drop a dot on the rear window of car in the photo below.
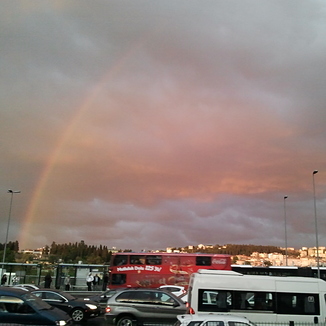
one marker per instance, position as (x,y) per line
(214,323)
(195,323)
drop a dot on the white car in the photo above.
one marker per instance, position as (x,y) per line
(175,289)
(184,297)
(212,320)
(26,286)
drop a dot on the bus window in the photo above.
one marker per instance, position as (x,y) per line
(120,260)
(203,261)
(154,260)
(118,279)
(137,260)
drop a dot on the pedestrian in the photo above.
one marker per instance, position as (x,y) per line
(15,280)
(67,283)
(89,281)
(96,281)
(47,280)
(105,282)
(3,279)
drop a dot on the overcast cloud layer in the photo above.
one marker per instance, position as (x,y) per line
(149,124)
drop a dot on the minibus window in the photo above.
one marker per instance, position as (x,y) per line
(253,301)
(210,300)
(298,304)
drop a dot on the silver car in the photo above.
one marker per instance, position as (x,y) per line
(138,306)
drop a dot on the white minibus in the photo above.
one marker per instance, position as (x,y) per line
(262,299)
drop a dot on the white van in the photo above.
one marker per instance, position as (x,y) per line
(275,299)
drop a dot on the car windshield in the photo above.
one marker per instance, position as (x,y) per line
(36,302)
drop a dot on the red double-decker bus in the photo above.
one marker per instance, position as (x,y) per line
(156,269)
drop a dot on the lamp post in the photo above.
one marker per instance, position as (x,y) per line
(12,192)
(286,237)
(316,227)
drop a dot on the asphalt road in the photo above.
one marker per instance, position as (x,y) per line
(99,321)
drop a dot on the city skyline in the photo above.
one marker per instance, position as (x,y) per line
(141,124)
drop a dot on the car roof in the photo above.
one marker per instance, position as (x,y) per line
(211,317)
(29,286)
(145,289)
(4,290)
(48,290)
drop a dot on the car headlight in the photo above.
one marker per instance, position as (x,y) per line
(91,306)
(61,323)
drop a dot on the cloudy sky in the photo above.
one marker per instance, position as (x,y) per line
(147,124)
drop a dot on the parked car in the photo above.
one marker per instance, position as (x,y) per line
(77,308)
(141,305)
(27,286)
(212,320)
(20,307)
(184,297)
(175,289)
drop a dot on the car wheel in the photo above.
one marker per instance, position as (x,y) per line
(127,321)
(78,315)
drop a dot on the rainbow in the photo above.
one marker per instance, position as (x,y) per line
(36,198)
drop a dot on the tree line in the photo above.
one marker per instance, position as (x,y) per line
(56,253)
(90,254)
(75,252)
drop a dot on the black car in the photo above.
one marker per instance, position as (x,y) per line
(77,308)
(20,307)
(141,306)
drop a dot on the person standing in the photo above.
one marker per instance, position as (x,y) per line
(3,279)
(89,281)
(47,280)
(105,282)
(96,281)
(67,283)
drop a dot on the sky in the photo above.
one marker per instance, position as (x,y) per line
(150,124)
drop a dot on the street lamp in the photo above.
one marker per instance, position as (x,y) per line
(316,227)
(12,192)
(286,238)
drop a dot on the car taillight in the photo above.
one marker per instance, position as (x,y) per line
(191,311)
(108,309)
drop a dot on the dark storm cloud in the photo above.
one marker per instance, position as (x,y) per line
(153,124)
